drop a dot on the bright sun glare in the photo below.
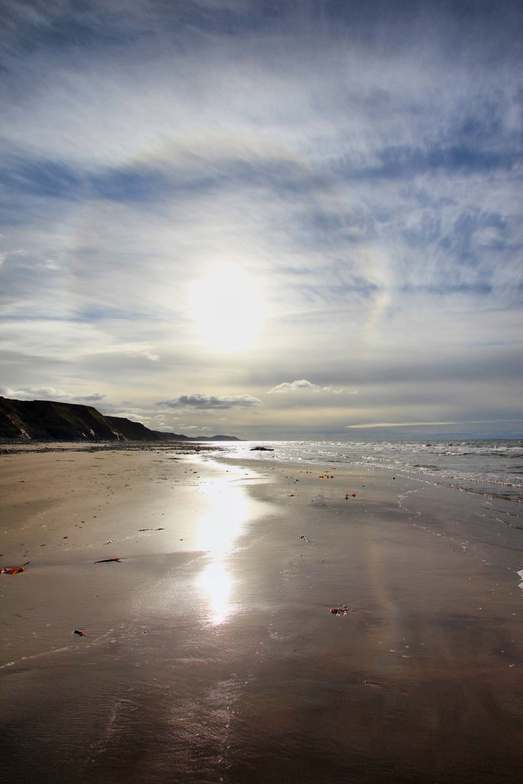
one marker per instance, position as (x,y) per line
(227,307)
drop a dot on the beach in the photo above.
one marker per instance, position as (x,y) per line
(197,618)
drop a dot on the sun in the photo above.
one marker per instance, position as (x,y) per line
(227,307)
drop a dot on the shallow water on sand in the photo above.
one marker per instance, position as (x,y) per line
(211,653)
(490,467)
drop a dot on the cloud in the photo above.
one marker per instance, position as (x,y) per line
(371,425)
(212,402)
(376,425)
(302,385)
(376,202)
(50,393)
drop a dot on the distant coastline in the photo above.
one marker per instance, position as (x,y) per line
(51,420)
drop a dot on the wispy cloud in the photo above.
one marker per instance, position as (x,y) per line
(50,393)
(371,425)
(377,202)
(406,425)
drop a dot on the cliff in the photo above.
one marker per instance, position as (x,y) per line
(135,431)
(48,420)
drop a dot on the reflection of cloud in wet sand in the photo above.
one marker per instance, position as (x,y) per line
(229,509)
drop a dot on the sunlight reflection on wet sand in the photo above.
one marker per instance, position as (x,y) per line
(216,584)
(228,509)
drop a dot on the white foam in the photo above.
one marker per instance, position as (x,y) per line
(90,643)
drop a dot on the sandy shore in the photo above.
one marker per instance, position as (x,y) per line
(210,653)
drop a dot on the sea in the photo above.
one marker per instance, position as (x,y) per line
(491,467)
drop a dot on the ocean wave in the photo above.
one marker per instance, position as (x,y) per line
(487,466)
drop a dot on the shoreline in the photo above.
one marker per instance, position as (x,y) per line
(30,447)
(210,650)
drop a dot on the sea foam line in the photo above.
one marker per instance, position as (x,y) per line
(65,648)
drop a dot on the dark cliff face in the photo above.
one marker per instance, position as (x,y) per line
(131,431)
(135,431)
(54,421)
(48,420)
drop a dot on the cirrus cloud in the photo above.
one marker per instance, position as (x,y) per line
(377,204)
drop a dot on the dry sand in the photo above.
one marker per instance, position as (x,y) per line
(211,653)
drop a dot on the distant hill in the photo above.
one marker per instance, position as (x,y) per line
(213,438)
(48,420)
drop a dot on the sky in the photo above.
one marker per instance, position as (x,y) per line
(271,219)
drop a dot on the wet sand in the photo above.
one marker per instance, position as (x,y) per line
(211,653)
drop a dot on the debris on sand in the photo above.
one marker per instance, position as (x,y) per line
(109,560)
(261,449)
(342,610)
(305,539)
(12,569)
(80,633)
